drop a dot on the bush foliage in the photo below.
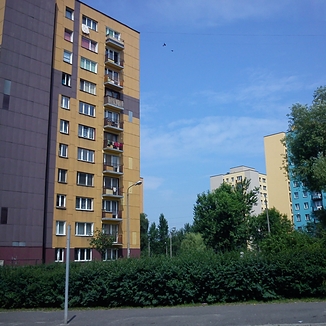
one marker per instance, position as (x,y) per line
(196,277)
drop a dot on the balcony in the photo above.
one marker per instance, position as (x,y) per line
(114,42)
(316,196)
(114,169)
(113,102)
(112,192)
(117,238)
(112,216)
(109,124)
(109,145)
(115,83)
(114,63)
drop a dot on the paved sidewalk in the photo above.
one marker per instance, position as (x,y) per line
(294,314)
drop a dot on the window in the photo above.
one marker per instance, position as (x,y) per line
(85,229)
(6,94)
(88,65)
(264,180)
(66,79)
(86,132)
(83,254)
(264,187)
(111,229)
(111,254)
(84,204)
(87,109)
(239,178)
(305,194)
(112,33)
(67,56)
(87,87)
(305,205)
(110,206)
(89,44)
(60,228)
(4,215)
(295,184)
(296,194)
(69,13)
(65,102)
(130,120)
(62,176)
(307,217)
(113,94)
(112,160)
(92,24)
(112,56)
(69,35)
(63,150)
(61,201)
(85,155)
(297,207)
(298,217)
(64,126)
(111,183)
(85,179)
(59,254)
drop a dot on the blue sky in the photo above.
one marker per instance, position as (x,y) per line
(235,69)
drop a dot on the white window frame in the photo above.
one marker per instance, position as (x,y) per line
(64,126)
(113,55)
(111,206)
(111,254)
(91,45)
(87,87)
(63,150)
(61,201)
(306,205)
(84,204)
(59,255)
(87,109)
(91,23)
(66,79)
(60,228)
(296,194)
(297,207)
(111,32)
(295,184)
(83,252)
(70,33)
(69,13)
(89,179)
(305,194)
(85,155)
(67,56)
(307,217)
(86,132)
(84,229)
(65,102)
(62,176)
(298,217)
(88,65)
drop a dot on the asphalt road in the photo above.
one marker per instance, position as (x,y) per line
(303,314)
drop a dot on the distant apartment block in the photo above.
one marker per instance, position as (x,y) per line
(70,131)
(237,174)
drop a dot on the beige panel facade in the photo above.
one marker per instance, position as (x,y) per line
(114,130)
(279,194)
(2,13)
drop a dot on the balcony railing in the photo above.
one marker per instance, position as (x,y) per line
(111,101)
(116,82)
(114,124)
(109,144)
(112,215)
(112,168)
(119,44)
(316,196)
(113,191)
(118,63)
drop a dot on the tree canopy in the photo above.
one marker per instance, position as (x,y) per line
(221,216)
(306,142)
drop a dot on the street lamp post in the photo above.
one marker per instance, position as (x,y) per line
(138,183)
(267,216)
(172,231)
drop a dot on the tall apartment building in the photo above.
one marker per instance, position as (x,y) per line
(239,173)
(69,130)
(287,195)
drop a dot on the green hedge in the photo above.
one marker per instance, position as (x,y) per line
(193,278)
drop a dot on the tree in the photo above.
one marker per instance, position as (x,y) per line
(101,242)
(221,216)
(153,239)
(279,225)
(306,142)
(193,242)
(163,234)
(144,223)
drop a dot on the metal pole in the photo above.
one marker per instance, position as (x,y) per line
(128,225)
(67,276)
(149,246)
(170,244)
(267,216)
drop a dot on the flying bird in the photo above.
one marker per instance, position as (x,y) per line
(164,44)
